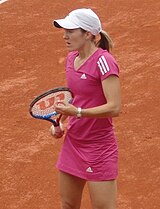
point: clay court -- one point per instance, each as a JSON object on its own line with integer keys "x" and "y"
{"x": 32, "y": 58}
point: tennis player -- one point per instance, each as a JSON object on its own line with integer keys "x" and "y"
{"x": 89, "y": 153}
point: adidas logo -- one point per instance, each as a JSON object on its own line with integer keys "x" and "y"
{"x": 83, "y": 76}
{"x": 89, "y": 170}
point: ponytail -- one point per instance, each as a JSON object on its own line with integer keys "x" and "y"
{"x": 105, "y": 42}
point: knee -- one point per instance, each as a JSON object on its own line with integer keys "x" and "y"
{"x": 103, "y": 206}
{"x": 68, "y": 205}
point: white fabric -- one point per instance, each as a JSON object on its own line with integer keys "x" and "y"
{"x": 81, "y": 18}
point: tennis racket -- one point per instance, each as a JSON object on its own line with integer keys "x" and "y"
{"x": 42, "y": 107}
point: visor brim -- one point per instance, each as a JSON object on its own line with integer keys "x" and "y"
{"x": 65, "y": 23}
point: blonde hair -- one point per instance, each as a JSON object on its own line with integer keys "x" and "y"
{"x": 105, "y": 41}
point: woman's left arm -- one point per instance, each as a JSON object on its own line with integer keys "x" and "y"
{"x": 111, "y": 89}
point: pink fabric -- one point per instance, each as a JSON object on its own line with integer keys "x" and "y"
{"x": 90, "y": 148}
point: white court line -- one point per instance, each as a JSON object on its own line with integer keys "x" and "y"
{"x": 2, "y": 1}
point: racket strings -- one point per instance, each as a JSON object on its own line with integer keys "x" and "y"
{"x": 44, "y": 107}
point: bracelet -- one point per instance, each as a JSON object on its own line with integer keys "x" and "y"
{"x": 79, "y": 112}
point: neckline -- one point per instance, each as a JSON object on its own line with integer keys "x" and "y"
{"x": 84, "y": 61}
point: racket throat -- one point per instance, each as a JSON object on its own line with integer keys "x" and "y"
{"x": 55, "y": 123}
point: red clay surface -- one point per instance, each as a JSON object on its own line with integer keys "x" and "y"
{"x": 32, "y": 55}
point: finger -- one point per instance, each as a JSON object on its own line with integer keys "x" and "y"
{"x": 59, "y": 109}
{"x": 60, "y": 103}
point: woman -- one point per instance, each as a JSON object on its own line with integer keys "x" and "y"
{"x": 89, "y": 152}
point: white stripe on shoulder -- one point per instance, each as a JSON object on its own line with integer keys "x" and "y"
{"x": 106, "y": 64}
{"x": 103, "y": 65}
{"x": 100, "y": 68}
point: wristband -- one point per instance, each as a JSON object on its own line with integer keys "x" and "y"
{"x": 79, "y": 112}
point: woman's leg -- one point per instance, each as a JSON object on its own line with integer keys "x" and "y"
{"x": 103, "y": 194}
{"x": 71, "y": 189}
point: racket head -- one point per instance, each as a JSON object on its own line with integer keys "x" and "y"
{"x": 42, "y": 107}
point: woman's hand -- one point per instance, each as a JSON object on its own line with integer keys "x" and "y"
{"x": 58, "y": 131}
{"x": 65, "y": 108}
